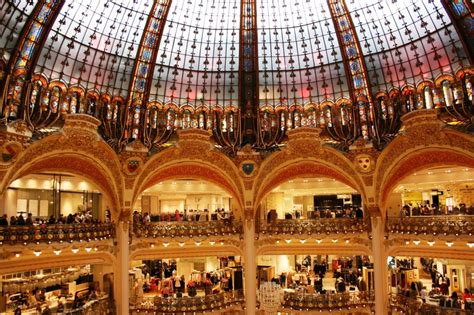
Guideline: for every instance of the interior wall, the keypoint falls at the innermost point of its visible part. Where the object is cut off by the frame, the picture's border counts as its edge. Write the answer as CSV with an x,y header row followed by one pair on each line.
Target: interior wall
x,y
9,204
71,203
394,204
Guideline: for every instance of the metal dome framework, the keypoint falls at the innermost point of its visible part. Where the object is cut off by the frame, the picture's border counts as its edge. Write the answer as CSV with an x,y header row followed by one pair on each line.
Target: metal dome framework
x,y
246,70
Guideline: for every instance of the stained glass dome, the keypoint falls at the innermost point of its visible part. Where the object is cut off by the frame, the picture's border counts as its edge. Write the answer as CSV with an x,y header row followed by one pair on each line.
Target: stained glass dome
x,y
131,56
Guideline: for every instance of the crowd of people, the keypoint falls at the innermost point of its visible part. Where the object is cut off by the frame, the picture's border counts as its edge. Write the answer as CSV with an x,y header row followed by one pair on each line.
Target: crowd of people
x,y
83,217
186,215
434,209
352,212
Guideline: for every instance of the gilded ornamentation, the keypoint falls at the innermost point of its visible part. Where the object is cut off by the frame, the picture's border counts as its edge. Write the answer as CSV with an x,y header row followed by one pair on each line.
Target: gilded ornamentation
x,y
9,152
364,163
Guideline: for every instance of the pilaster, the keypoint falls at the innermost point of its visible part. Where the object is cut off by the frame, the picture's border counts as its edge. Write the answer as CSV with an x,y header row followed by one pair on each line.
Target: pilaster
x,y
121,286
250,263
380,265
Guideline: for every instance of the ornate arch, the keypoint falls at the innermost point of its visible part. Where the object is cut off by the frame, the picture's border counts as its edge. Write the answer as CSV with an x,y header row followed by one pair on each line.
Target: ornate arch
x,y
78,151
305,156
193,157
416,160
424,144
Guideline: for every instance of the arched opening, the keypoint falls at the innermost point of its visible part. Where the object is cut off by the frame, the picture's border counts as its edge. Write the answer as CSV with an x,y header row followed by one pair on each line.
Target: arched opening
x,y
191,173
433,191
55,197
306,225
71,163
310,198
189,200
186,232
430,222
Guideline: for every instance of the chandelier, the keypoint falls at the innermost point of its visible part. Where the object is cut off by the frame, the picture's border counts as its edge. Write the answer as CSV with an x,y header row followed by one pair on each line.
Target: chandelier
x,y
269,297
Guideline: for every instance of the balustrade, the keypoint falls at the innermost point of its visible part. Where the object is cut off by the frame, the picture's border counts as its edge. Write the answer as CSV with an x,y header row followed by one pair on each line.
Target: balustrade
x,y
330,301
188,229
317,226
434,225
400,303
198,304
48,233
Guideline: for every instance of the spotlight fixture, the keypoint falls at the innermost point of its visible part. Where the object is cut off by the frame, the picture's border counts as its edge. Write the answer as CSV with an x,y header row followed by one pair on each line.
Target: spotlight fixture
x,y
319,241
75,250
471,245
222,243
417,242
17,255
181,244
57,252
449,244
288,241
37,253
212,243
347,241
198,243
152,245
302,241
166,244
431,243
88,249
334,240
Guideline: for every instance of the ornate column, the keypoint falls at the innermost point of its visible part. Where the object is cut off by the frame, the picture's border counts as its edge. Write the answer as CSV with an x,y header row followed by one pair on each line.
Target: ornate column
x,y
250,263
121,286
380,265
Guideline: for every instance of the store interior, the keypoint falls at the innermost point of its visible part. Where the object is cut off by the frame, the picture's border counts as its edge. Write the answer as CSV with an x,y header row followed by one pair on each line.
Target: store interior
x,y
184,277
436,281
188,197
310,198
434,191
60,290
46,195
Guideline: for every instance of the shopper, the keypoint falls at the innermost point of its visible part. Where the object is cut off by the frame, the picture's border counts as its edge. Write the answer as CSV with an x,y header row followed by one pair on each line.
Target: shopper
x,y
4,220
29,219
424,294
466,295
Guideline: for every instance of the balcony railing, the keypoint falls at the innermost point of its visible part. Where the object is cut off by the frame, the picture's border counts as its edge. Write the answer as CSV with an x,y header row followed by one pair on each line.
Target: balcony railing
x,y
329,302
49,233
190,305
401,303
188,229
317,226
432,225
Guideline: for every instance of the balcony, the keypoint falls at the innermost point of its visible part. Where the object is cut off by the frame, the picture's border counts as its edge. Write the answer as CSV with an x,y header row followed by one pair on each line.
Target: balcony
x,y
455,225
315,227
188,229
199,304
55,233
400,303
327,302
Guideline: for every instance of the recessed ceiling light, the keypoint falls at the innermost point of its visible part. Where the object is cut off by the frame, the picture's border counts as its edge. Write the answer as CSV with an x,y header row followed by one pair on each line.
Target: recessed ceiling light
x,y
37,253
75,250
166,244
288,241
57,252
